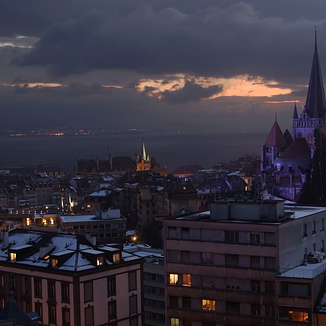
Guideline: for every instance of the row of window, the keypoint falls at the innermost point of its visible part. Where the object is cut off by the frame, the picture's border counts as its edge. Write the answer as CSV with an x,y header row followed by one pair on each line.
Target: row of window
x,y
98,226
255,238
88,312
254,286
313,227
229,260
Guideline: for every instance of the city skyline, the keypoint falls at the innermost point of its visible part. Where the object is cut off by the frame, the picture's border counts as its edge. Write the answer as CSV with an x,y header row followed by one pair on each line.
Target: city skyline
x,y
172,67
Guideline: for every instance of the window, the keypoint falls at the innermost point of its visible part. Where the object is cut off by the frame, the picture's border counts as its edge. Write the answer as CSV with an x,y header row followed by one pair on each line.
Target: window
x,y
133,321
88,291
12,256
233,287
255,310
255,286
173,301
269,287
298,316
51,289
132,281
269,262
254,261
173,255
186,280
305,232
208,281
65,316
208,304
54,262
116,257
269,238
175,321
232,307
112,309
269,311
172,232
231,260
185,233
231,236
99,261
133,304
185,256
207,258
174,278
89,316
254,238
295,289
186,303
38,287
111,286
25,285
12,283
65,292
52,313
38,309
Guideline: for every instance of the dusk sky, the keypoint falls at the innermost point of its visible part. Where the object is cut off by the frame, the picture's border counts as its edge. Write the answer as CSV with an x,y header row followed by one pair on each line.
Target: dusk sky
x,y
169,66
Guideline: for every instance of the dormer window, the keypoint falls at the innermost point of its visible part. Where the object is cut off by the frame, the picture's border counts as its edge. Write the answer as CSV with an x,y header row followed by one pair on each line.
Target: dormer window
x,y
12,256
99,261
116,257
54,262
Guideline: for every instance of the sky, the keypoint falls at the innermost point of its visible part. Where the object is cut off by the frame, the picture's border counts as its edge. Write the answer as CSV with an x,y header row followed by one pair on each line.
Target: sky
x,y
181,66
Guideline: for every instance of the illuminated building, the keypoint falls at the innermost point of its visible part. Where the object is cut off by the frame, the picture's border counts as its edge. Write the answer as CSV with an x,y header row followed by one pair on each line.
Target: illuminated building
x,y
68,281
242,263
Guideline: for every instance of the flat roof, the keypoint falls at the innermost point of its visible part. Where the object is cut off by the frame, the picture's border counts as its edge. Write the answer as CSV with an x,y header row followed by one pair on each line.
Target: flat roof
x,y
308,271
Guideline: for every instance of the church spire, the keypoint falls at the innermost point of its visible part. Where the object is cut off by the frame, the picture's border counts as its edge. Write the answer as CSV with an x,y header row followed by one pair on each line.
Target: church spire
x,y
315,103
143,151
295,112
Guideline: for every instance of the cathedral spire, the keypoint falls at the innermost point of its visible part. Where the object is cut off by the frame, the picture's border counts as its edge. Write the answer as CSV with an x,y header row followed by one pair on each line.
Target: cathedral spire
x,y
143,151
295,112
315,103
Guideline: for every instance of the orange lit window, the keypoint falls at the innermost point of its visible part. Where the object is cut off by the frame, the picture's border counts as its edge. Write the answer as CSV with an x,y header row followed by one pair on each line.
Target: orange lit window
x,y
88,206
99,261
12,256
298,316
54,262
208,304
174,321
186,280
116,258
174,278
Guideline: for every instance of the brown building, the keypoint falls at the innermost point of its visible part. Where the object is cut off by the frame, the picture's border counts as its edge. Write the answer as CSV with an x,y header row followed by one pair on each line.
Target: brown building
x,y
244,263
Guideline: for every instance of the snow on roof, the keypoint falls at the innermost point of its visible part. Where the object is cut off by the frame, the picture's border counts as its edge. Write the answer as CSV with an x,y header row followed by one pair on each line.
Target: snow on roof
x,y
309,271
131,232
77,218
62,253
92,252
302,211
100,193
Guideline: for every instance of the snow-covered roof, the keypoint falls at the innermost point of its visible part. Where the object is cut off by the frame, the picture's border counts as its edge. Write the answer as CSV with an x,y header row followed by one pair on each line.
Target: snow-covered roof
x,y
309,271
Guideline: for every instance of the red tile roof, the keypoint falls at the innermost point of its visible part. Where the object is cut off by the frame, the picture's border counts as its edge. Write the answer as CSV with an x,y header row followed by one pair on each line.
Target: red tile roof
x,y
297,149
276,137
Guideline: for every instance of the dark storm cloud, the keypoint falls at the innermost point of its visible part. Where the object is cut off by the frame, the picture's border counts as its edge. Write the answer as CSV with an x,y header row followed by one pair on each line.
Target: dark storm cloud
x,y
225,40
191,92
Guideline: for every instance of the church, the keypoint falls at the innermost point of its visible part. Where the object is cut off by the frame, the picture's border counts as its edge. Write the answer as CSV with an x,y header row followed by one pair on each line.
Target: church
x,y
286,159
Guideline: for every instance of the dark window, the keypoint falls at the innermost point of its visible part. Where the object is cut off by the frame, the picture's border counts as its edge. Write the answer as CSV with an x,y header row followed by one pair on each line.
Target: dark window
x,y
173,301
65,292
231,236
88,291
207,258
305,231
173,255
269,262
38,309
313,227
296,289
185,233
255,286
12,283
111,286
269,311
65,316
89,316
254,238
269,238
38,287
186,303
132,281
133,304
255,261
185,256
133,321
269,287
233,307
112,309
255,309
231,260
51,289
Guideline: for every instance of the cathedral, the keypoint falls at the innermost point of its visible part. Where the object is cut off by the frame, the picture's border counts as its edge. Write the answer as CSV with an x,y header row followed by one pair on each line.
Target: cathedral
x,y
286,159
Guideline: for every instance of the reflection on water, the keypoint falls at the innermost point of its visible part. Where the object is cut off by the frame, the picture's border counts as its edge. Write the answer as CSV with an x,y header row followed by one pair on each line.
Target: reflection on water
x,y
171,151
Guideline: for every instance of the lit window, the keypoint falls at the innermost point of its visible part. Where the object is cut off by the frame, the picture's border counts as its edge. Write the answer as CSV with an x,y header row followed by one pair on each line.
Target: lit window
x,y
88,206
298,316
175,321
51,221
186,280
174,278
54,262
99,261
116,258
208,304
12,256
28,221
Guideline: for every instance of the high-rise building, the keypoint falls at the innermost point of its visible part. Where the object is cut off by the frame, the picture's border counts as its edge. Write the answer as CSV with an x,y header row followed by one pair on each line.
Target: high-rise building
x,y
244,263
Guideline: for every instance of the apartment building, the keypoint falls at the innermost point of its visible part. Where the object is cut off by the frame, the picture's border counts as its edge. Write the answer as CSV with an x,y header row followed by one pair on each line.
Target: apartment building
x,y
244,263
68,281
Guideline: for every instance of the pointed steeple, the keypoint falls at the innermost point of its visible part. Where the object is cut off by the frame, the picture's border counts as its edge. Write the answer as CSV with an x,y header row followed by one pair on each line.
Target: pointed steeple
x,y
295,112
275,137
315,103
143,151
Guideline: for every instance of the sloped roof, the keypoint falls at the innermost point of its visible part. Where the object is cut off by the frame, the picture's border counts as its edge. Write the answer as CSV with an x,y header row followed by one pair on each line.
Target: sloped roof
x,y
299,148
187,169
11,311
276,137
